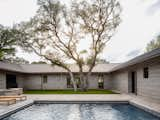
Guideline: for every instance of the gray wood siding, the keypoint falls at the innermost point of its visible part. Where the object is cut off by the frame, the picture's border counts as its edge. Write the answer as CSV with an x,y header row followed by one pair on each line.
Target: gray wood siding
x,y
93,82
149,87
2,80
20,79
55,82
32,82
107,81
120,81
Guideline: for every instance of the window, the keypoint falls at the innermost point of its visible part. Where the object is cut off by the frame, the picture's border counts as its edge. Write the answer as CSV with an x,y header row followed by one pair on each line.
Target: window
x,y
101,81
70,84
77,79
145,72
45,79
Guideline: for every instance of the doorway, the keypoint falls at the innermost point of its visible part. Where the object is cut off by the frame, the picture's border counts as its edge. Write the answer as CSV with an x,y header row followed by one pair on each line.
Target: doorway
x,y
11,81
133,82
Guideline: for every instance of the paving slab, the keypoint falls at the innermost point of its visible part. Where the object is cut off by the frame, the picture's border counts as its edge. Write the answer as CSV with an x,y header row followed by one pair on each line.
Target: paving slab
x,y
78,97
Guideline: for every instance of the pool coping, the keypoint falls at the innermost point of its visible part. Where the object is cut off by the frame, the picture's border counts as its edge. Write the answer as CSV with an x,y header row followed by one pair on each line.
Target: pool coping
x,y
15,108
78,102
149,110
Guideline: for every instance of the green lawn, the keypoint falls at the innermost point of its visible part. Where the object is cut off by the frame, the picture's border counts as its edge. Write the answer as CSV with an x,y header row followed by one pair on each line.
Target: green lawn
x,y
68,92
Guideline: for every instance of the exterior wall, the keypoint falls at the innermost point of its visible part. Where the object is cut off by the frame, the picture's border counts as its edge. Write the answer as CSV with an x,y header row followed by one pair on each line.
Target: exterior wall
x,y
19,79
35,82
2,80
149,87
93,82
120,81
32,82
56,82
107,81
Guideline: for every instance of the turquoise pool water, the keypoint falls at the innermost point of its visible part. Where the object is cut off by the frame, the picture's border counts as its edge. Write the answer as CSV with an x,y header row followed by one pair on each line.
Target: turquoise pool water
x,y
81,112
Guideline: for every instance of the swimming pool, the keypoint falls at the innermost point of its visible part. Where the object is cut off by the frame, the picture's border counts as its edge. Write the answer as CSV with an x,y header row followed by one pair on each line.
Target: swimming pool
x,y
82,111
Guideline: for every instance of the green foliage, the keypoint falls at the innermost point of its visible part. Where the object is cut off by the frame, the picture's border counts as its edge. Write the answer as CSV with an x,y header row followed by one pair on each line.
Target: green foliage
x,y
16,60
154,44
83,52
39,62
99,61
8,41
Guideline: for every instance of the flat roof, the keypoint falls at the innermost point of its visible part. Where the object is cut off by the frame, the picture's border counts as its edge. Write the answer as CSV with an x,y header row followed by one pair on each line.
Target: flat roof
x,y
48,68
99,68
139,59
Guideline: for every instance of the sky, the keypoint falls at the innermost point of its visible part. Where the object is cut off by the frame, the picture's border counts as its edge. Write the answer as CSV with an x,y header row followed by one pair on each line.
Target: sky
x,y
140,24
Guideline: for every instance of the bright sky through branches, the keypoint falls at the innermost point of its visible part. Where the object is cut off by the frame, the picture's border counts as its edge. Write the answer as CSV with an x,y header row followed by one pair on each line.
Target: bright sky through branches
x,y
140,24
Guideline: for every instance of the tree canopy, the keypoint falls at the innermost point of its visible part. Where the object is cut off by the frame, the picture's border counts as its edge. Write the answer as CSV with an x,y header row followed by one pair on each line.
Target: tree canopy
x,y
16,60
7,42
39,62
154,44
56,31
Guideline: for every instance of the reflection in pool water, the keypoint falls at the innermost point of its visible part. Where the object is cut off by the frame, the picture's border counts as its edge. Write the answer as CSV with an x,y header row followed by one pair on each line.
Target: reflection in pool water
x,y
82,112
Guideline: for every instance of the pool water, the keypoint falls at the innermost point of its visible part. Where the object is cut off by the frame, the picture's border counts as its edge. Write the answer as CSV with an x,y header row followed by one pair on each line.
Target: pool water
x,y
81,112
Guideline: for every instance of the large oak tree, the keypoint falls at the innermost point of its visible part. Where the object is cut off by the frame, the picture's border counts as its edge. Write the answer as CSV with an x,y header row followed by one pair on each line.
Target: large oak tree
x,y
56,32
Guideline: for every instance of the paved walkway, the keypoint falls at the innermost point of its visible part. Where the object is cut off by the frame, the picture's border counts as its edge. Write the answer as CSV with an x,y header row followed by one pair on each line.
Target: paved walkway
x,y
78,97
148,104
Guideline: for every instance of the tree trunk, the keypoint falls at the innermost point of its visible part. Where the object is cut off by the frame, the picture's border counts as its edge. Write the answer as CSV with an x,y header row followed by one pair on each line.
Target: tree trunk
x,y
81,80
73,81
85,84
86,80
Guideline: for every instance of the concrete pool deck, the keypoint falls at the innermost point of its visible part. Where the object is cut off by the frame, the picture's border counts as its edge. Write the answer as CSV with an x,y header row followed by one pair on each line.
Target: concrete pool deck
x,y
150,105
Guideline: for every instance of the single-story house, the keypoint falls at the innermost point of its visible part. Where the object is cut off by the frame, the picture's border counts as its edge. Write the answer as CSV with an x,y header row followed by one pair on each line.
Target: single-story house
x,y
140,76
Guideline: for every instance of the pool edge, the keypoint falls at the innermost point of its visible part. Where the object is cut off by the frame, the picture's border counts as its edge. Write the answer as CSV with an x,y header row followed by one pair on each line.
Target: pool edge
x,y
77,102
15,108
149,110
